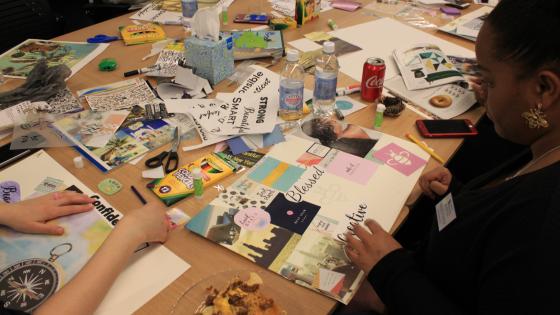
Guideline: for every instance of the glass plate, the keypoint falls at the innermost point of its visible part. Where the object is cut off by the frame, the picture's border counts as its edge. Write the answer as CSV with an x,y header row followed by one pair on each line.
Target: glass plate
x,y
190,301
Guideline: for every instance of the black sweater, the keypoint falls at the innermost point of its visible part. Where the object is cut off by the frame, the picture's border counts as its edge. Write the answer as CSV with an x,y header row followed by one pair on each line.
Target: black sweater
x,y
501,255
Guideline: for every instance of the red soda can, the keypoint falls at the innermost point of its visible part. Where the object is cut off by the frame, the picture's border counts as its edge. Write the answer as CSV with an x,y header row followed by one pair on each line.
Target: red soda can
x,y
373,76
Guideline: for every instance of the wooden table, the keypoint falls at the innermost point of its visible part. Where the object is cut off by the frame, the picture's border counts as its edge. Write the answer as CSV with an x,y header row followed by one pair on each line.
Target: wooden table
x,y
205,257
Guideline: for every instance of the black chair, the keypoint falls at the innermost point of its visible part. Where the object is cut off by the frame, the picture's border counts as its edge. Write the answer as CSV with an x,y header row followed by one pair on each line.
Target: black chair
x,y
23,19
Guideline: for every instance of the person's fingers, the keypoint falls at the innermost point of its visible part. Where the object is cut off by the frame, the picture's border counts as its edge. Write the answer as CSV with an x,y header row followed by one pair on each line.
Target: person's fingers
x,y
475,80
61,211
373,226
355,243
425,186
438,187
352,254
362,234
71,198
44,228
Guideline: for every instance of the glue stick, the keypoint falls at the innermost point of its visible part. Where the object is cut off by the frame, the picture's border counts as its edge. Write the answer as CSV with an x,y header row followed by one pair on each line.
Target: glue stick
x,y
197,182
379,115
224,15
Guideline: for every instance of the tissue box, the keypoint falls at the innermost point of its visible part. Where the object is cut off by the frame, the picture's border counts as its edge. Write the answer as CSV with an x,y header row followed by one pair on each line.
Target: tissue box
x,y
210,60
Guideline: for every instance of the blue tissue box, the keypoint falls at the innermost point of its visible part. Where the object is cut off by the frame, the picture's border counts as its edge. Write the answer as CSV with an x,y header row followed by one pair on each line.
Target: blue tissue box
x,y
209,59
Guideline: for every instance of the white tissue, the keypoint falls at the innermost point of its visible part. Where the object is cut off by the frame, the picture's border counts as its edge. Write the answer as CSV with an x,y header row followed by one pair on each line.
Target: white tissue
x,y
206,23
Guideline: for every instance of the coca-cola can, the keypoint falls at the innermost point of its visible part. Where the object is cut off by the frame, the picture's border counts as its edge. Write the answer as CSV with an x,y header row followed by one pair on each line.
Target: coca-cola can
x,y
373,76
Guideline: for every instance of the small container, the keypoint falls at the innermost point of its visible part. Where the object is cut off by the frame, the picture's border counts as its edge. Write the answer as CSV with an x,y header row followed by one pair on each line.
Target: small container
x,y
197,182
78,162
379,115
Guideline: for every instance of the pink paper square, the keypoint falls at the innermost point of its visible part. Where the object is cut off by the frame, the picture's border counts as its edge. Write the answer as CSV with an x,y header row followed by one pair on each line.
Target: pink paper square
x,y
352,168
400,159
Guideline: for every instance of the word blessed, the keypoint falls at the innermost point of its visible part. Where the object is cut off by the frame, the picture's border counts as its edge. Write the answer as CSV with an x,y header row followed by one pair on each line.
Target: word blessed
x,y
355,218
105,211
296,194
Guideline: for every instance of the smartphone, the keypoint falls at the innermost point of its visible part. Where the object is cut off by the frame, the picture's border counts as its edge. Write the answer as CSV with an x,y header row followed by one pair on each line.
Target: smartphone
x,y
251,18
450,128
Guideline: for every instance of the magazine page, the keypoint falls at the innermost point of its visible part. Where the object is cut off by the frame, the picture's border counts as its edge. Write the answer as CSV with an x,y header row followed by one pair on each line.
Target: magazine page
x,y
468,25
424,66
290,211
451,100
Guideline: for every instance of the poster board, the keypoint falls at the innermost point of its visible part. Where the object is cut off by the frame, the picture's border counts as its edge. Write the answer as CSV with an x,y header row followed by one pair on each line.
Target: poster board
x,y
39,174
290,211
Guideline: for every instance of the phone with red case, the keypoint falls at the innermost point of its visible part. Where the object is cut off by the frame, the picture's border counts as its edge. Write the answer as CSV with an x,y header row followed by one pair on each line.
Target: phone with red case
x,y
448,128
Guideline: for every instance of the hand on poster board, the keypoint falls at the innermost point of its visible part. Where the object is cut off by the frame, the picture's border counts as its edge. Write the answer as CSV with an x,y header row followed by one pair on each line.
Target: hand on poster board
x,y
33,215
368,246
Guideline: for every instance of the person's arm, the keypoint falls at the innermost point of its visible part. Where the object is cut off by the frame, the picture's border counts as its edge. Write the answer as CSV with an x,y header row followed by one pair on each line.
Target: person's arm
x,y
87,289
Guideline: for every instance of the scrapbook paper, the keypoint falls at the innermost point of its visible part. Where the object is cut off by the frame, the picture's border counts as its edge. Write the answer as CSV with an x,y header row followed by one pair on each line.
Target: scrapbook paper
x,y
352,168
20,60
119,95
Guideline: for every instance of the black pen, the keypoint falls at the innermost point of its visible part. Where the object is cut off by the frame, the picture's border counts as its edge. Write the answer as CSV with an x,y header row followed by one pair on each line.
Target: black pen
x,y
137,193
142,70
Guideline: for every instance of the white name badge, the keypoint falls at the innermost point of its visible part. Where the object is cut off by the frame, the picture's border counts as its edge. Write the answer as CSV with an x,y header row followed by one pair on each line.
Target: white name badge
x,y
445,211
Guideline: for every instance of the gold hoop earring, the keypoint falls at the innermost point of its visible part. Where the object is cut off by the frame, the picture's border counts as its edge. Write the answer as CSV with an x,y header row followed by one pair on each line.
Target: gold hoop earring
x,y
535,117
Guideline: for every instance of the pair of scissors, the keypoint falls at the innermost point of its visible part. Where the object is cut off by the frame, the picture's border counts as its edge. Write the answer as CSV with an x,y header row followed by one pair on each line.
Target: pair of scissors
x,y
172,157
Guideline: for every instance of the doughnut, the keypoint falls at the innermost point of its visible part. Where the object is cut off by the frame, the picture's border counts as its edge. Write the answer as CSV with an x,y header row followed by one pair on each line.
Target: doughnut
x,y
441,101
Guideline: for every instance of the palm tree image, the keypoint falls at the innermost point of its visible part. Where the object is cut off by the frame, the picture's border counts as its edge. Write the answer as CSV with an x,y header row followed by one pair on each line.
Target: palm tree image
x,y
112,146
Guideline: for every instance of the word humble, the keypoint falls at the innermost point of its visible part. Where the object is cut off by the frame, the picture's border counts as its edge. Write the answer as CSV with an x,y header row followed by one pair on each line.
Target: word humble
x,y
354,218
111,215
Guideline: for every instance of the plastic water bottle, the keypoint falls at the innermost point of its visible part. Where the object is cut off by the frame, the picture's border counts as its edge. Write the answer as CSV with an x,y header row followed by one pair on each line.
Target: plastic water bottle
x,y
291,88
189,8
326,73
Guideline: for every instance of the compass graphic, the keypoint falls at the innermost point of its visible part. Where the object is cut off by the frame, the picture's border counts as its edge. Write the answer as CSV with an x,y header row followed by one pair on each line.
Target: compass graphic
x,y
27,283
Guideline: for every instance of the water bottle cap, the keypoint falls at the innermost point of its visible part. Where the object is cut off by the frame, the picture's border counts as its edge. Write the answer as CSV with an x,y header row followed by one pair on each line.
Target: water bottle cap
x,y
328,47
292,55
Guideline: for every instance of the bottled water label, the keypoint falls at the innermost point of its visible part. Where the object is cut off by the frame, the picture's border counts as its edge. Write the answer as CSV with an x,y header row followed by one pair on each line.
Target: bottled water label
x,y
325,86
291,98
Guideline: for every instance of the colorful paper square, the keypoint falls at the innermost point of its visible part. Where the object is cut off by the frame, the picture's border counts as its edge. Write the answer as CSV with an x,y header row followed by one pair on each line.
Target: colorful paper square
x,y
276,174
352,168
399,159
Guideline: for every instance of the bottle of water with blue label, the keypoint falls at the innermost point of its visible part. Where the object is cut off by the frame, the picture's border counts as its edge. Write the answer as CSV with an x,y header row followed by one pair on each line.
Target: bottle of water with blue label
x,y
326,73
291,88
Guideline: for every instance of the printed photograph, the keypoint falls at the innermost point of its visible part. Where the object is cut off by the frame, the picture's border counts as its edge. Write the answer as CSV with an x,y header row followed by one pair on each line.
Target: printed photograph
x,y
348,138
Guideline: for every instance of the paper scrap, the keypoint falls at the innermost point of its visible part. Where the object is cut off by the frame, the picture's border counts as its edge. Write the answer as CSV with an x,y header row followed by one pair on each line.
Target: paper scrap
x,y
154,173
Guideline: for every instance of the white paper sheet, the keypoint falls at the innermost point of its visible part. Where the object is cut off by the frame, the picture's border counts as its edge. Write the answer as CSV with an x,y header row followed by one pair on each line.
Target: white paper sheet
x,y
304,45
384,36
146,275
152,13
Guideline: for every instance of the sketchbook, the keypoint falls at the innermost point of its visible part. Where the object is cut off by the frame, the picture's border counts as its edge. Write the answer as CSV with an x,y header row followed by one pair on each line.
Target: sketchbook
x,y
289,212
49,262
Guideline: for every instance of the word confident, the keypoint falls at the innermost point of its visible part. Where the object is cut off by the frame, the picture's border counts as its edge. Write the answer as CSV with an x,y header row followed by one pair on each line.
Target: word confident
x,y
298,190
111,215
